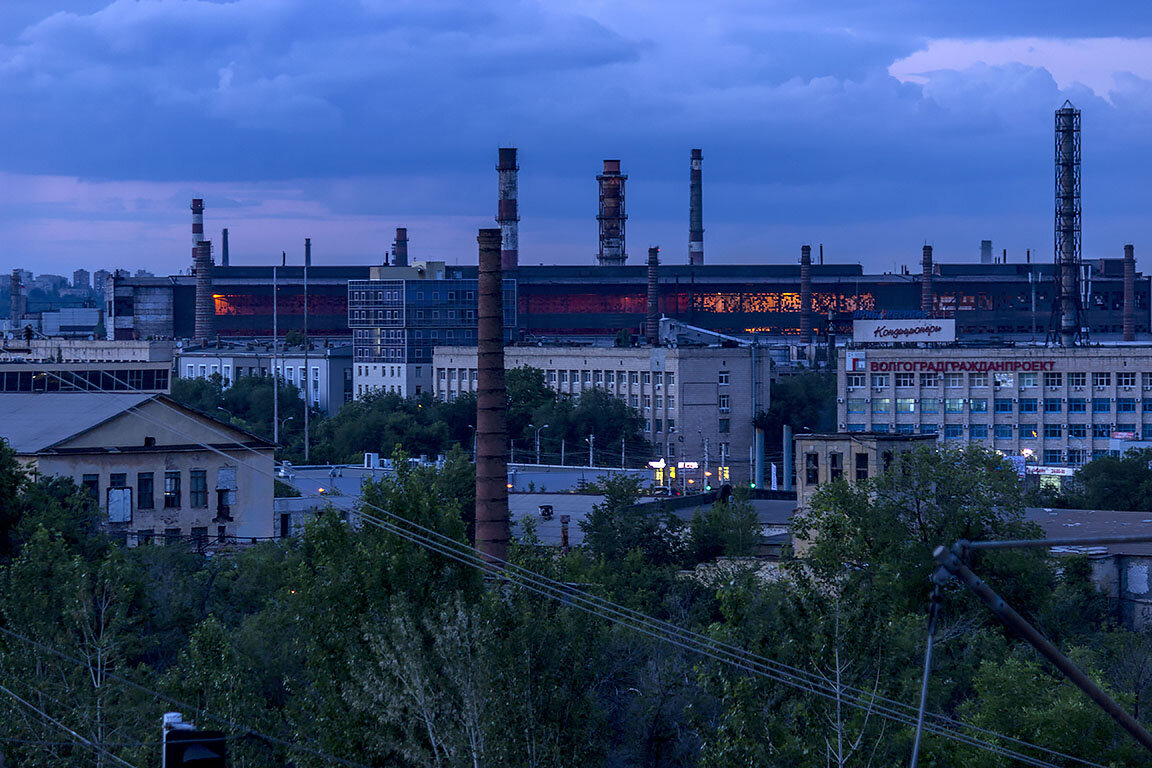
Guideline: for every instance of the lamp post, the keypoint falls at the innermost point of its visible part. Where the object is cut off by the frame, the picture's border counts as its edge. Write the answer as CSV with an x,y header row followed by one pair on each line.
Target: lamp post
x,y
531,426
473,428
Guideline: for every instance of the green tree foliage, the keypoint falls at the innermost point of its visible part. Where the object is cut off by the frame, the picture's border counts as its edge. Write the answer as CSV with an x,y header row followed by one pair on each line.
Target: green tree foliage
x,y
805,401
1111,482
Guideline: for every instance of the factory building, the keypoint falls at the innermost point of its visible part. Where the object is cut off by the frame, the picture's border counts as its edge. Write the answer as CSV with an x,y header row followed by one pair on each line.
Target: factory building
x,y
697,403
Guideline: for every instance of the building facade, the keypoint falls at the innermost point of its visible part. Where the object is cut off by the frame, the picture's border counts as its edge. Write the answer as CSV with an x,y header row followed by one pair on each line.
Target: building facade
x,y
325,373
144,459
403,313
1053,406
698,403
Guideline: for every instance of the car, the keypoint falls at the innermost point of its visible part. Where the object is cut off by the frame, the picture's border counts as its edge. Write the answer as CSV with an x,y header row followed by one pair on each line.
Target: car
x,y
285,470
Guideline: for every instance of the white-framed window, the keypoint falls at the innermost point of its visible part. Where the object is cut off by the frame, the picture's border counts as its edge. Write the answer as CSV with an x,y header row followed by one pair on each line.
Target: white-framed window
x,y
725,377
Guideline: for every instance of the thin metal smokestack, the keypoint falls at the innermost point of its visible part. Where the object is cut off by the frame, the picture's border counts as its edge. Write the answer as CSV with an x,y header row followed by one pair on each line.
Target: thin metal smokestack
x,y
197,221
1129,293
307,251
926,298
611,215
696,210
492,525
652,325
1068,220
508,210
224,247
806,294
400,248
205,304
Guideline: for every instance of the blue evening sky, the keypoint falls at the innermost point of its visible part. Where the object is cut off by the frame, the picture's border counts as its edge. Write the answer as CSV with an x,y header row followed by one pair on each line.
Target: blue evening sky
x,y
870,127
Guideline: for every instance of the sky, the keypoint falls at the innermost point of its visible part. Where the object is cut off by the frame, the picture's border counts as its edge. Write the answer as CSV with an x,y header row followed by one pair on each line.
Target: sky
x,y
868,127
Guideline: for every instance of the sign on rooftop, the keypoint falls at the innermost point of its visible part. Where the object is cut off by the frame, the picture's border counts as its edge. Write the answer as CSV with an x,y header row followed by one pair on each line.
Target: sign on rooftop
x,y
903,331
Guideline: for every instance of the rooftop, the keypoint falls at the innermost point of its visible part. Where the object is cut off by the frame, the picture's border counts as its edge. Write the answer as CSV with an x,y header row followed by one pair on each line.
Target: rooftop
x,y
33,422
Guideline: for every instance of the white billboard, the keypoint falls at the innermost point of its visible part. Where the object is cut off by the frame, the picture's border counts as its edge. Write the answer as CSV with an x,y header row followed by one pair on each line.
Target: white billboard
x,y
897,331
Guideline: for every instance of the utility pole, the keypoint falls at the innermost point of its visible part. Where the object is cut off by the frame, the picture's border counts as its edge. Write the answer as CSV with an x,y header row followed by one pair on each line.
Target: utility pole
x,y
307,377
591,448
275,374
706,467
538,431
562,451
621,452
512,452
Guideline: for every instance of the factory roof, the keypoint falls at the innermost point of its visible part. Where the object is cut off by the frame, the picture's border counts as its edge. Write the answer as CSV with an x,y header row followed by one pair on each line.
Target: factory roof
x,y
33,422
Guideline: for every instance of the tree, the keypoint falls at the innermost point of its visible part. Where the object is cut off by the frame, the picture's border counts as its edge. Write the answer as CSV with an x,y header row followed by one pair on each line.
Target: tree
x,y
804,401
616,526
724,529
1111,482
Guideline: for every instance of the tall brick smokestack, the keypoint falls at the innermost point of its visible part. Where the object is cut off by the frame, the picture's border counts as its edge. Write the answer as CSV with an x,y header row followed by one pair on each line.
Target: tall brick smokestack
x,y
806,294
492,525
224,247
15,305
507,210
652,324
926,300
197,221
400,248
205,304
611,215
696,210
1129,293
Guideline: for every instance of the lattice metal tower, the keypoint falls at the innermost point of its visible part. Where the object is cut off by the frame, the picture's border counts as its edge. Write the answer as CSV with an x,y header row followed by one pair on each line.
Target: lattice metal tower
x,y
611,215
1066,327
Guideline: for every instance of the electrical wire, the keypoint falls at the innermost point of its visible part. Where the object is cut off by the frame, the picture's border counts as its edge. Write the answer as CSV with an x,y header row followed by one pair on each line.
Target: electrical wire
x,y
687,639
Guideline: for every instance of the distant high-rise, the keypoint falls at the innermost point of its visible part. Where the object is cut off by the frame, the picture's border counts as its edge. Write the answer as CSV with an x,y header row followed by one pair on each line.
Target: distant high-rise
x,y
82,279
99,279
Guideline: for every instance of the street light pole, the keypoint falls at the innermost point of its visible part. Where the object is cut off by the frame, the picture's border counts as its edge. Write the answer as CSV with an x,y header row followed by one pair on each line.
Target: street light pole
x,y
591,449
532,426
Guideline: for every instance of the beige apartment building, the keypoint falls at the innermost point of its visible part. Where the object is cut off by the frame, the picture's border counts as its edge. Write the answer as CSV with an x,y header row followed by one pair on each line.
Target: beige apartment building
x,y
698,403
1058,407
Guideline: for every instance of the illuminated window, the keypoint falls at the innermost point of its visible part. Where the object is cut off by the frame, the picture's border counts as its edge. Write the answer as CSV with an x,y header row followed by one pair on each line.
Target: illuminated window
x,y
1027,380
953,405
856,405
881,404
1028,431
929,405
978,405
905,405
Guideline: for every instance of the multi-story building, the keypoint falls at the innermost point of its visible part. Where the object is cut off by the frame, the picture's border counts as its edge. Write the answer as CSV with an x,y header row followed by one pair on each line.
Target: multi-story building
x,y
698,403
1052,405
403,313
73,365
82,279
325,372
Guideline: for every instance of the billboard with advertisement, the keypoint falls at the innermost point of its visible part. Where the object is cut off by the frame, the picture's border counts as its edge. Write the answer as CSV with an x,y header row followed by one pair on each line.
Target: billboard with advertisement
x,y
903,331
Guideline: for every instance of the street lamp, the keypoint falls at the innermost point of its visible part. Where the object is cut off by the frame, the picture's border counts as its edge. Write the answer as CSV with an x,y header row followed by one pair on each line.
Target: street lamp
x,y
285,420
531,426
473,428
222,408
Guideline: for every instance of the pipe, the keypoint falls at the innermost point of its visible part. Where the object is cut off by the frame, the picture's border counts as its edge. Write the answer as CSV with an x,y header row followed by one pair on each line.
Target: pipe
x,y
307,252
1068,219
806,294
1129,293
611,216
788,457
652,326
985,251
696,209
492,524
400,248
205,317
197,220
926,281
224,247
508,209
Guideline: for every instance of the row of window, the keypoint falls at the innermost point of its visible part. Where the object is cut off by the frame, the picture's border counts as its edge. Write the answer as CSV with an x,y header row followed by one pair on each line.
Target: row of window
x,y
172,496
999,405
394,315
394,296
835,467
1001,379
118,380
1025,431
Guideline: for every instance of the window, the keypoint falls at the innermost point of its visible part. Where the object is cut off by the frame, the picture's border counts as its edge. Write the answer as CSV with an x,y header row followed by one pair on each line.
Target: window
x,y
1053,456
879,379
1027,405
857,405
905,379
953,431
1028,432
1101,405
199,536
563,377
647,402
634,401
978,431
118,480
811,468
1001,379
1053,405
861,466
91,483
1146,432
978,405
1053,379
855,427
1101,379
634,377
144,490
953,379
1077,405
1147,405
856,380
929,405
725,403
1027,380
1126,379
586,376
660,402
928,429
905,405
172,490
1053,431
1101,431
1003,405
1079,379
880,429
198,488
1078,431
1002,431
1126,427
657,378
835,465
905,429
144,535
671,402
1077,456
881,404
1126,405
929,380
724,377
598,377
659,425
670,378
725,426
671,425
648,377
953,405
977,379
